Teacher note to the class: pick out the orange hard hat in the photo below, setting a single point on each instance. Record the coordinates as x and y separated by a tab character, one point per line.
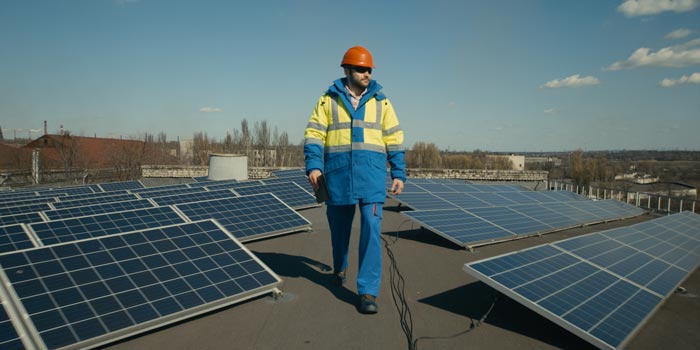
358	56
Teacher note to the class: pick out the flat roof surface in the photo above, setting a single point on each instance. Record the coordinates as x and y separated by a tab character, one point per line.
443	300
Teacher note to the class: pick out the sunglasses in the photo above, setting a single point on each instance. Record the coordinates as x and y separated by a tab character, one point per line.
362	70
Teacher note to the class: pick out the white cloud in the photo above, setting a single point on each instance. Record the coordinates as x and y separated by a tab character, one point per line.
551	111
678	34
633	8
210	110
692	79
573	81
673	56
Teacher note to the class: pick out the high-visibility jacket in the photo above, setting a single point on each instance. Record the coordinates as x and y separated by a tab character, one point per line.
351	146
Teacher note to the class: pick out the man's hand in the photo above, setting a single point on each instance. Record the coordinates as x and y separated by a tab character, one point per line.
396	187
313	178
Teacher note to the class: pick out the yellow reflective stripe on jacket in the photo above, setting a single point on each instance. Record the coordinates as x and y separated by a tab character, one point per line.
331	125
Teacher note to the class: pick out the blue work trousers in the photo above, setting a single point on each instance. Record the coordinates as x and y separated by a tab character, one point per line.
369	272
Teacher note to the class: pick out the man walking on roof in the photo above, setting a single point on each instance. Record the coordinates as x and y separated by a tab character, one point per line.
352	133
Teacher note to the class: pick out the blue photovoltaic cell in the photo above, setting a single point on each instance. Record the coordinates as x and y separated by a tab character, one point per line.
289	192
457	225
14	237
67	191
69	230
248	217
436	188
23	209
94	200
20	219
212	182
93	291
126	185
9	339
193	197
544	214
100	208
493	198
602	286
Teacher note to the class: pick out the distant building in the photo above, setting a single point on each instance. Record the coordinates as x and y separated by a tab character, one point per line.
637	178
543	160
517	162
86	152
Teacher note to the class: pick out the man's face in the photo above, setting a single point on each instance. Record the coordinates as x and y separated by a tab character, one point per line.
359	76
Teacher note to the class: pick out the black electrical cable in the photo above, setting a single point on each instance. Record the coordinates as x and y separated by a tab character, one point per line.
398	294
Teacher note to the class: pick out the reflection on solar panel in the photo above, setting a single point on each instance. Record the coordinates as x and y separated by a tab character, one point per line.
600	286
100	208
23	209
87	293
192	197
289	192
9	339
517	220
126	185
248	217
14	237
69	230
20	219
94	200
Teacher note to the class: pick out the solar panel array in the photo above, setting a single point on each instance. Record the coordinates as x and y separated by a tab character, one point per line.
14	237
99	208
74	229
86	293
248	217
289	192
601	286
471	227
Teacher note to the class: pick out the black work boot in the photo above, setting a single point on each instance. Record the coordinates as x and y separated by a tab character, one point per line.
367	304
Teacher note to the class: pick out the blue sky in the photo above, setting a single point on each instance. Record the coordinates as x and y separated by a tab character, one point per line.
520	75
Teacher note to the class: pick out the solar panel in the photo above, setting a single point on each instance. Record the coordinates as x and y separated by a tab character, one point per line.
20	218
289	192
201	178
14	237
231	185
462	200
125	185
516	220
159	188
88	293
302	181
423	201
511	220
67	190
27	201
248	217
601	286
91	195
75	229
193	197
289	173
493	198
9	339
170	192
94	200
212	182
99	208
23	209
458	226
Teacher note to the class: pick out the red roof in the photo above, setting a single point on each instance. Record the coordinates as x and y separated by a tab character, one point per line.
87	152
